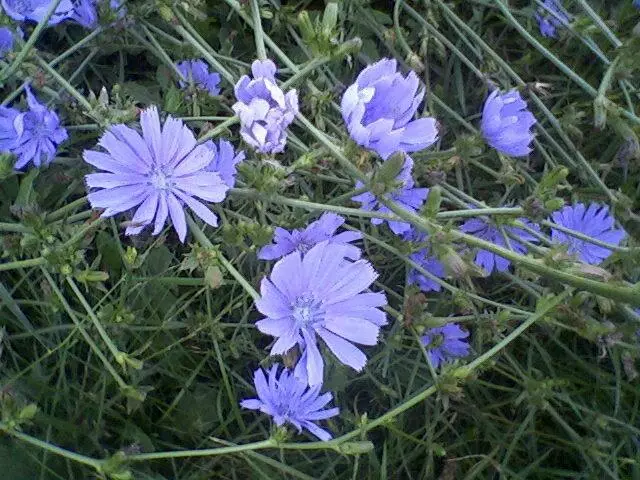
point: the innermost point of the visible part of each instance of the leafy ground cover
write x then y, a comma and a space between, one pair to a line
481, 246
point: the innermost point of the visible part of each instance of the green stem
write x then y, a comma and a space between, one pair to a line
261, 51
205, 452
205, 242
65, 84
65, 210
555, 60
548, 306
117, 355
304, 71
214, 132
121, 383
76, 457
617, 292
32, 262
194, 38
42, 24
14, 228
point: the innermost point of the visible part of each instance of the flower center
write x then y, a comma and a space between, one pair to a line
160, 180
306, 310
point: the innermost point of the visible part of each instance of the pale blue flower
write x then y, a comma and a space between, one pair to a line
507, 123
378, 110
288, 400
320, 294
265, 111
159, 173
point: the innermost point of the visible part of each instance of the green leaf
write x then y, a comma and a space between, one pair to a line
26, 193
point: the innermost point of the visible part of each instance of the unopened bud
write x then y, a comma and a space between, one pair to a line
355, 448
454, 264
434, 200
415, 62
329, 19
591, 271
306, 26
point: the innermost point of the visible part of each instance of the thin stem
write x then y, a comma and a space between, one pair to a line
65, 84
214, 132
96, 323
121, 383
261, 51
304, 71
76, 457
205, 242
66, 209
205, 452
14, 228
548, 306
617, 292
42, 24
32, 262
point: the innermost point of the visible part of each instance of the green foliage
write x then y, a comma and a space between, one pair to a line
126, 357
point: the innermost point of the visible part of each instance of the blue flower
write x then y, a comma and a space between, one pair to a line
7, 128
426, 260
265, 111
6, 41
320, 294
406, 195
288, 400
323, 229
507, 123
197, 71
378, 110
594, 221
35, 10
489, 232
158, 172
225, 160
552, 16
445, 343
38, 134
85, 13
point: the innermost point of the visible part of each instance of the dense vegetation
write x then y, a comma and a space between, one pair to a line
125, 352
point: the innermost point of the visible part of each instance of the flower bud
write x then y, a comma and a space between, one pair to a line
355, 448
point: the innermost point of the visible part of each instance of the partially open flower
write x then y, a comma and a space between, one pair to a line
378, 110
506, 123
265, 111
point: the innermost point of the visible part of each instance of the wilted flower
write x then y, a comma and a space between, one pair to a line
288, 400
506, 123
35, 10
160, 172
265, 111
378, 109
38, 134
489, 232
406, 195
552, 16
321, 293
197, 71
594, 221
224, 162
445, 343
426, 260
6, 41
301, 240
